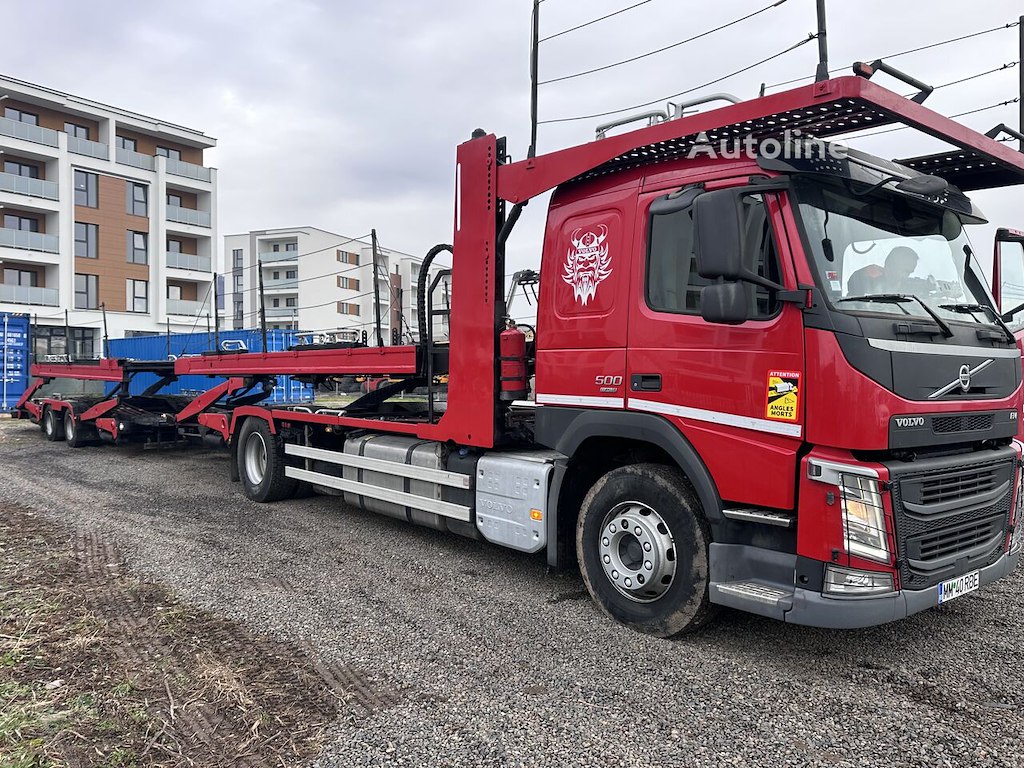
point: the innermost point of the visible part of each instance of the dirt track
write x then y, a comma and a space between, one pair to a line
455, 653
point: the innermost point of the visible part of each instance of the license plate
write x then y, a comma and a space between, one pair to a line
958, 587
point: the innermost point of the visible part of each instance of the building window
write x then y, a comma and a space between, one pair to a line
346, 308
12, 113
87, 237
137, 295
238, 283
173, 246
275, 303
136, 195
21, 277
291, 302
348, 258
86, 185
17, 168
170, 154
76, 130
137, 247
294, 247
348, 283
25, 223
123, 142
237, 258
173, 201
275, 275
276, 247
174, 292
87, 291
52, 341
291, 274
238, 310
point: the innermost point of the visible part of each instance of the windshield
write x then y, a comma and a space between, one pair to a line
870, 250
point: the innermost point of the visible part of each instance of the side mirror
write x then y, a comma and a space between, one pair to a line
726, 303
717, 242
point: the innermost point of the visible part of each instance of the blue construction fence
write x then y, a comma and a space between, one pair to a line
164, 347
16, 349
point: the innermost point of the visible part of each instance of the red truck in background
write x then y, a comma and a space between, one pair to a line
723, 411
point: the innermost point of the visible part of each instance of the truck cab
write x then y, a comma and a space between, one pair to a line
810, 339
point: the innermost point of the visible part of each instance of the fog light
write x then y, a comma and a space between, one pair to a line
847, 581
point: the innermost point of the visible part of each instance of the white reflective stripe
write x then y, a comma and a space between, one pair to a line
597, 402
953, 350
717, 417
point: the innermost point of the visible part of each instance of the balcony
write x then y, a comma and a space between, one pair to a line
28, 294
189, 261
188, 216
269, 256
29, 241
135, 159
281, 285
33, 133
189, 308
285, 312
23, 185
88, 148
188, 170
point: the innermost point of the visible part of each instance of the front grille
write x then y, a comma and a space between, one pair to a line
962, 423
950, 520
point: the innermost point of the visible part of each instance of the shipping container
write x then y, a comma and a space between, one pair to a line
17, 344
164, 347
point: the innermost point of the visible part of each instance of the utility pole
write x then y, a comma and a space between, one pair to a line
534, 76
1020, 74
263, 309
376, 286
822, 72
106, 336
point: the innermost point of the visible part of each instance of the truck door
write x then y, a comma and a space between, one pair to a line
1008, 278
736, 392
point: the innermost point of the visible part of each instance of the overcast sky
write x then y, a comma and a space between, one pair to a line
345, 115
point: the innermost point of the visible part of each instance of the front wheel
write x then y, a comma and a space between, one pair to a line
261, 463
642, 544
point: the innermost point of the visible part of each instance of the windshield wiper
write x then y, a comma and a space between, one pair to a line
902, 298
972, 308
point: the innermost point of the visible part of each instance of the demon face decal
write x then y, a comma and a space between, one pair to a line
587, 263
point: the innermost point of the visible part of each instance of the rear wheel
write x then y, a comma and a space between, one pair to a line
53, 425
75, 433
642, 544
261, 463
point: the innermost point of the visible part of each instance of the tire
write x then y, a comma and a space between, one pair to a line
261, 463
653, 575
76, 434
53, 425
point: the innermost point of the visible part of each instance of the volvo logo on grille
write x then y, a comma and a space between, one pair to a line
962, 380
910, 421
965, 377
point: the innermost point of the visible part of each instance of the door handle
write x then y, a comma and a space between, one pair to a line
645, 382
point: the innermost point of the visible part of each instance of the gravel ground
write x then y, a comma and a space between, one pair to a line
474, 655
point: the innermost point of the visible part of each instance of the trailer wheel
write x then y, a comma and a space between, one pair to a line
261, 463
75, 433
642, 544
53, 426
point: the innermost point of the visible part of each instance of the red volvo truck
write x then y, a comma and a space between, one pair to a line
770, 380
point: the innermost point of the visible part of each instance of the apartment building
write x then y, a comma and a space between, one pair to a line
101, 208
314, 280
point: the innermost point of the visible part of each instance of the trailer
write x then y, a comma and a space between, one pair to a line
715, 418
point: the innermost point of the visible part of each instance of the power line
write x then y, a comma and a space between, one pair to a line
1008, 65
783, 52
592, 21
298, 255
959, 114
199, 314
1010, 25
665, 48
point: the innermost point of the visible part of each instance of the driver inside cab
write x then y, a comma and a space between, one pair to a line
895, 277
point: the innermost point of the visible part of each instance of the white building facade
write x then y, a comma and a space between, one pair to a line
102, 208
315, 280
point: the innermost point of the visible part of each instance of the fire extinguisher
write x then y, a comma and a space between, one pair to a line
512, 349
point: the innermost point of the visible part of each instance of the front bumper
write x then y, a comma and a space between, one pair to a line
817, 610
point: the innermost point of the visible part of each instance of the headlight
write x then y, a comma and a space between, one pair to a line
864, 518
847, 581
